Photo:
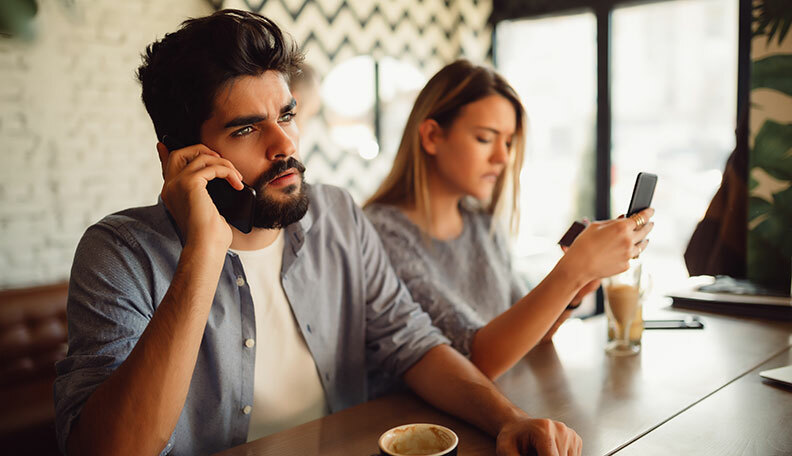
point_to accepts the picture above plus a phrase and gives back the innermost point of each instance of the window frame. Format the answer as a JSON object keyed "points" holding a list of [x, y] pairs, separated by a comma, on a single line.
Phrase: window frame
{"points": [[603, 12]]}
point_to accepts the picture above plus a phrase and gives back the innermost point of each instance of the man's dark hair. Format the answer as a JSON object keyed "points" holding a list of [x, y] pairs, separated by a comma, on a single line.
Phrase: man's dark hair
{"points": [[182, 73]]}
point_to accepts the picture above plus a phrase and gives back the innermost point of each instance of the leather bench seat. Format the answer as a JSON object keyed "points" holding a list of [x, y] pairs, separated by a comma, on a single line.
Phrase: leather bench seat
{"points": [[33, 336]]}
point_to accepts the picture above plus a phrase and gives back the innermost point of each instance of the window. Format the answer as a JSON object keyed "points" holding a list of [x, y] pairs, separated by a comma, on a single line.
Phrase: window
{"points": [[367, 103], [614, 91], [674, 85], [551, 62]]}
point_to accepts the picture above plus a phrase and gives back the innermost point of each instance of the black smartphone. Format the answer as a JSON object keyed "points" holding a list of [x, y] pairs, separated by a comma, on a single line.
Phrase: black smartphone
{"points": [[238, 207], [571, 234], [642, 193], [687, 323]]}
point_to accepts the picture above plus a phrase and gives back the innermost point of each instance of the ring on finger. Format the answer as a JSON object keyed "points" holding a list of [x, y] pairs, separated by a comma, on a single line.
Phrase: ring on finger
{"points": [[638, 219]]}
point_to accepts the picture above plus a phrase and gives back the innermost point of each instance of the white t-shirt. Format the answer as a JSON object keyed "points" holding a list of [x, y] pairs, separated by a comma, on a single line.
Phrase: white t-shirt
{"points": [[287, 390]]}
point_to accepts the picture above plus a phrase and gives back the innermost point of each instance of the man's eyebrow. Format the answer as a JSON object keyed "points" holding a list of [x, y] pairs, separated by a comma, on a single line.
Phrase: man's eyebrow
{"points": [[288, 107], [256, 118], [245, 120]]}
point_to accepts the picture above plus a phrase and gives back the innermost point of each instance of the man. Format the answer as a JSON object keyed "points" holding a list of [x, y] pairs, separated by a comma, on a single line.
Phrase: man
{"points": [[187, 336]]}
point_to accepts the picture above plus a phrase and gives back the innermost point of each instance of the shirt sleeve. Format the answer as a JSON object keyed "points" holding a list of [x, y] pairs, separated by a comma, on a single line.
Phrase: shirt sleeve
{"points": [[448, 311], [108, 308], [398, 331]]}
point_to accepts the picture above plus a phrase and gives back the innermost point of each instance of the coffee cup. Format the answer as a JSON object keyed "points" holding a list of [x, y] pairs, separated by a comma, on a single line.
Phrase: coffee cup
{"points": [[418, 439]]}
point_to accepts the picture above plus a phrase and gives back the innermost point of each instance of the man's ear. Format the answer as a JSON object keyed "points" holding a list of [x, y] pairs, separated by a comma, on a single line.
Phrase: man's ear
{"points": [[430, 132], [163, 153]]}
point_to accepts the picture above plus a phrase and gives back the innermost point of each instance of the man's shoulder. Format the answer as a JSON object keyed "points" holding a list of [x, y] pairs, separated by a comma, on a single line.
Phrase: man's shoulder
{"points": [[138, 224], [325, 196], [331, 204]]}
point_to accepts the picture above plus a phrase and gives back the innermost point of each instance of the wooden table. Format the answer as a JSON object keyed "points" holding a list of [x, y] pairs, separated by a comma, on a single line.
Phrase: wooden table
{"points": [[748, 416], [672, 393]]}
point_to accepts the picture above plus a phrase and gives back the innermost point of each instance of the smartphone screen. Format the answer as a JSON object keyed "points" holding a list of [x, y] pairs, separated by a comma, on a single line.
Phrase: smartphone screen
{"points": [[238, 207], [642, 193]]}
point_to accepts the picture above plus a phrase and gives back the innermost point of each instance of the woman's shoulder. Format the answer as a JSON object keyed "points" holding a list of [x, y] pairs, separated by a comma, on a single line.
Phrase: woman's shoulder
{"points": [[390, 222], [377, 212], [385, 215]]}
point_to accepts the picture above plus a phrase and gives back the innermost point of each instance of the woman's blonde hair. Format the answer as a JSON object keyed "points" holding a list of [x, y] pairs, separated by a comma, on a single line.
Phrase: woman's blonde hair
{"points": [[452, 88]]}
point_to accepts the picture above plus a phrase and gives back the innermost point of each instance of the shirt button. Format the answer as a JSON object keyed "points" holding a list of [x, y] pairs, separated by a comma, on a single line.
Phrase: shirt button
{"points": [[309, 329], [240, 281], [249, 343], [247, 409]]}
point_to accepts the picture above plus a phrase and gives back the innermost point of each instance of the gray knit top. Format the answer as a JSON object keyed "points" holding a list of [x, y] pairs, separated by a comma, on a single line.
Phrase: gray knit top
{"points": [[461, 283]]}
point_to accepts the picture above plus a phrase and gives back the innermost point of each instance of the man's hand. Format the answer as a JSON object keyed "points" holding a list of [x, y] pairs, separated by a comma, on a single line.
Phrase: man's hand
{"points": [[186, 172], [538, 436], [448, 381]]}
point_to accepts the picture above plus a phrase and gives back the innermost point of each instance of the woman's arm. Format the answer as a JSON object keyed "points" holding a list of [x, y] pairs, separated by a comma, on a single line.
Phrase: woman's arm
{"points": [[602, 250], [498, 345], [588, 288]]}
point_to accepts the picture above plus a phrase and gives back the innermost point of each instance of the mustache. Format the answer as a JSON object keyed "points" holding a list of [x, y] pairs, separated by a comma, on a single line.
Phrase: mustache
{"points": [[278, 168]]}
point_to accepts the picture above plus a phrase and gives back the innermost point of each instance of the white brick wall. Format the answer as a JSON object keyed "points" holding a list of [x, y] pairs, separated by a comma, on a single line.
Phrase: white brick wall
{"points": [[75, 141]]}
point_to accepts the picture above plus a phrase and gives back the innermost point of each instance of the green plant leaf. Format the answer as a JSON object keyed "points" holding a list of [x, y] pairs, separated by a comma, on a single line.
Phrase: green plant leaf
{"points": [[766, 265], [776, 230], [784, 31], [758, 207], [770, 151], [773, 72], [769, 256], [776, 14]]}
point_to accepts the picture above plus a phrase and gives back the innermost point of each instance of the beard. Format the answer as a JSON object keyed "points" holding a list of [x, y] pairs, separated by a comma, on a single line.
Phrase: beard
{"points": [[279, 212]]}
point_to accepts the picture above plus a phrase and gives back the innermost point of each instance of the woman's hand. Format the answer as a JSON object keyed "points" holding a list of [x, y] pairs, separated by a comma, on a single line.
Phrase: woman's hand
{"points": [[604, 249]]}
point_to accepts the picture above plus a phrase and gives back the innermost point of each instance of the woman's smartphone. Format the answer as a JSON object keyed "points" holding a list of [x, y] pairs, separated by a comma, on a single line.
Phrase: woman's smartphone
{"points": [[687, 323], [238, 207], [642, 193], [571, 234]]}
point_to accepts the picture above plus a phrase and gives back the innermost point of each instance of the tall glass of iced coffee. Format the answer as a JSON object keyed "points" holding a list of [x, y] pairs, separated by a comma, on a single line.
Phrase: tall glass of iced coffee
{"points": [[622, 300]]}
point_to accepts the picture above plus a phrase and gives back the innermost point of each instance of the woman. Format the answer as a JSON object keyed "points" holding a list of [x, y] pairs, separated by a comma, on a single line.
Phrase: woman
{"points": [[456, 171]]}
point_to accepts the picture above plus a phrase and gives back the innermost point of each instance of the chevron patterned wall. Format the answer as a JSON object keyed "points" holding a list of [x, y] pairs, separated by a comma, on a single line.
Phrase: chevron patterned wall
{"points": [[424, 33]]}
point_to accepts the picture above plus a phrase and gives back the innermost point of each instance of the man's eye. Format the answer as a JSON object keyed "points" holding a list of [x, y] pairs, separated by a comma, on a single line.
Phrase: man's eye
{"points": [[243, 131], [287, 117]]}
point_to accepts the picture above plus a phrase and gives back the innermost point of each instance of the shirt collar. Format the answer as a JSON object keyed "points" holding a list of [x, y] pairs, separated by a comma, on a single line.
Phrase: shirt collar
{"points": [[294, 234]]}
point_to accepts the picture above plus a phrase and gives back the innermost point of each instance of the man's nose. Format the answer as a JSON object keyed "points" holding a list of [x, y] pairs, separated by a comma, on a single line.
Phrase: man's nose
{"points": [[281, 146]]}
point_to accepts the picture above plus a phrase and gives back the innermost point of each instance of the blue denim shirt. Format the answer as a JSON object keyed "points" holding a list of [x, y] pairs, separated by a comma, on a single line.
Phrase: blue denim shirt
{"points": [[354, 313]]}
